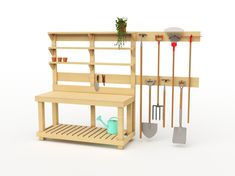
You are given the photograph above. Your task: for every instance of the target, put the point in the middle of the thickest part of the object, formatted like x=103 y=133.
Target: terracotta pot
x=59 y=59
x=53 y=59
x=65 y=59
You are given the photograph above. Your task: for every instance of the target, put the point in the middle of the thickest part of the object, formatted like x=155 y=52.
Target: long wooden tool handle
x=164 y=106
x=150 y=104
x=189 y=76
x=173 y=84
x=158 y=72
x=141 y=64
x=181 y=104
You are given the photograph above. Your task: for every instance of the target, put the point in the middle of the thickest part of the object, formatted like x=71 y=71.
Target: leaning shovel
x=149 y=129
x=179 y=135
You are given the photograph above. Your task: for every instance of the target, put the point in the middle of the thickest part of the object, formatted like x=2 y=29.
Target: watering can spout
x=99 y=118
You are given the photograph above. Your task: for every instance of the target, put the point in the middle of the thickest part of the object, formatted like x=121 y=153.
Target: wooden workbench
x=87 y=95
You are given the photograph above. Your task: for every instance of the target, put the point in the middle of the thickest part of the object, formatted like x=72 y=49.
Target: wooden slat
x=97 y=131
x=88 y=89
x=105 y=136
x=79 y=77
x=70 y=129
x=89 y=131
x=85 y=98
x=64 y=129
x=88 y=63
x=70 y=63
x=110 y=137
x=48 y=128
x=78 y=130
x=82 y=131
x=57 y=129
x=74 y=130
x=124 y=79
x=90 y=48
x=114 y=137
x=53 y=127
x=112 y=36
x=100 y=134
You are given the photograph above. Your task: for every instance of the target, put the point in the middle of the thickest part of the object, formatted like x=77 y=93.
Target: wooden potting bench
x=87 y=95
x=106 y=96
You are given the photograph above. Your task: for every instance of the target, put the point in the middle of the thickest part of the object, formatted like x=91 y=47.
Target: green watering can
x=111 y=126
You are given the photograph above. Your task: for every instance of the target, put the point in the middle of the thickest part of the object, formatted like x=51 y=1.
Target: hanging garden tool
x=103 y=80
x=97 y=79
x=179 y=135
x=189 y=75
x=141 y=73
x=157 y=108
x=174 y=35
x=164 y=103
x=149 y=129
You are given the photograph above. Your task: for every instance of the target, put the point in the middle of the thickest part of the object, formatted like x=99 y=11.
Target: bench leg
x=55 y=114
x=41 y=117
x=120 y=125
x=129 y=118
x=93 y=124
x=133 y=116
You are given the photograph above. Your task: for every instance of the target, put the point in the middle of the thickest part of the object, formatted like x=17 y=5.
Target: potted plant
x=121 y=24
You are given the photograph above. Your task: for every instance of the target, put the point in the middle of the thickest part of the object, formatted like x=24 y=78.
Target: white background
x=24 y=73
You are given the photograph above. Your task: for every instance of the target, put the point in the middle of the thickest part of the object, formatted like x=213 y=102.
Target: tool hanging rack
x=93 y=95
x=172 y=35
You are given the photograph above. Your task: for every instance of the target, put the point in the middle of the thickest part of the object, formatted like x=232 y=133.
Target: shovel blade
x=149 y=129
x=179 y=135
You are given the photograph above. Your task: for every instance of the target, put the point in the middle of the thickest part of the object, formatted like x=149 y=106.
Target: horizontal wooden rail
x=89 y=89
x=124 y=79
x=112 y=36
x=90 y=64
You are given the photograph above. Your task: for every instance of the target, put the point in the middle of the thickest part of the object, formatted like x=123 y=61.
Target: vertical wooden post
x=120 y=125
x=54 y=67
x=93 y=124
x=41 y=117
x=129 y=118
x=133 y=75
x=92 y=75
x=133 y=116
x=55 y=114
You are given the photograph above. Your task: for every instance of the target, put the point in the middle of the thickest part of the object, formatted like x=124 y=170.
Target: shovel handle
x=164 y=106
x=181 y=83
x=150 y=104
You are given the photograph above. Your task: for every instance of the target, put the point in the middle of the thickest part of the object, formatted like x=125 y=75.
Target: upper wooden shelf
x=92 y=64
x=91 y=48
x=112 y=36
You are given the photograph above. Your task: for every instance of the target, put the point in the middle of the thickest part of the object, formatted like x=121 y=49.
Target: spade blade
x=179 y=135
x=149 y=129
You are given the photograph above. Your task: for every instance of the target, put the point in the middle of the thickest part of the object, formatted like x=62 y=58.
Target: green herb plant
x=121 y=24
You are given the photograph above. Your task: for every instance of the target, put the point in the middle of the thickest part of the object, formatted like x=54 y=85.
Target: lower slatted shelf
x=83 y=134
